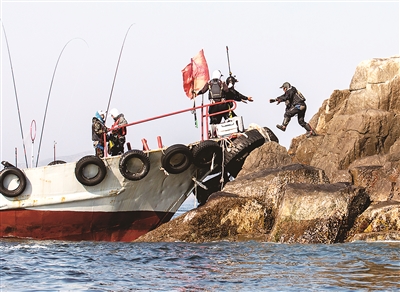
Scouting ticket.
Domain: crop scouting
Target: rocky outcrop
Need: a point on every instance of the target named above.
(318, 213)
(359, 128)
(342, 185)
(380, 221)
(239, 219)
(270, 155)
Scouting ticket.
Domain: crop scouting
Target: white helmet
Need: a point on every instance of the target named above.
(216, 74)
(114, 112)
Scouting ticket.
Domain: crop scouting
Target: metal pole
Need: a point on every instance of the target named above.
(33, 136)
(54, 150)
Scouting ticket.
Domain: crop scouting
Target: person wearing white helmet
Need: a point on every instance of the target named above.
(118, 133)
(98, 131)
(295, 105)
(217, 90)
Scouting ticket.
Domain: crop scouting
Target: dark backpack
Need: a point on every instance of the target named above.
(215, 90)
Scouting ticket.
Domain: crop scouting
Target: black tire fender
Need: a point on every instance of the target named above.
(22, 182)
(203, 153)
(129, 167)
(271, 135)
(176, 159)
(55, 162)
(86, 161)
(241, 148)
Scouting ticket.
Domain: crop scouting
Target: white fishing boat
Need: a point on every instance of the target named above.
(118, 198)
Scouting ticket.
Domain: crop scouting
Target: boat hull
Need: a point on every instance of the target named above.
(55, 205)
(76, 226)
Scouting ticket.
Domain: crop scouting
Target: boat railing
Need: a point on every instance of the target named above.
(204, 116)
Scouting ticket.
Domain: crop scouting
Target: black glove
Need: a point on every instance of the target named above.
(272, 100)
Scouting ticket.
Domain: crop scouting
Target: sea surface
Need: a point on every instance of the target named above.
(31, 265)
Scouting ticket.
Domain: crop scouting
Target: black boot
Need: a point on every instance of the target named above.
(310, 131)
(281, 127)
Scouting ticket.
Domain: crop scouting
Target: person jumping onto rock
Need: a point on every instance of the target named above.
(295, 105)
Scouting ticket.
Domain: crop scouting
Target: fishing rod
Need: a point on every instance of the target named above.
(16, 96)
(48, 96)
(115, 74)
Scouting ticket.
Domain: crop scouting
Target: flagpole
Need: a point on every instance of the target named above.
(202, 117)
(194, 98)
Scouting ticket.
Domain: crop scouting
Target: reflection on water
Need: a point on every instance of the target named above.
(217, 266)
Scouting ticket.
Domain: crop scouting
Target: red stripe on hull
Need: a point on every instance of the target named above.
(76, 226)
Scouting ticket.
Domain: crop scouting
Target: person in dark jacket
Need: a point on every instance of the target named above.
(235, 95)
(118, 133)
(295, 105)
(98, 131)
(217, 90)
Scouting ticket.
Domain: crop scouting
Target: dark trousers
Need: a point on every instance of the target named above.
(217, 108)
(291, 112)
(118, 147)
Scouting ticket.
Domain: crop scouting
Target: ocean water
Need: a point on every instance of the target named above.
(30, 265)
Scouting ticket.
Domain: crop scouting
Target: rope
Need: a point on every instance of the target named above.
(223, 162)
(165, 172)
(197, 183)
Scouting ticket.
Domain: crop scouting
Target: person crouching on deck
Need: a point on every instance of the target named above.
(117, 136)
(98, 131)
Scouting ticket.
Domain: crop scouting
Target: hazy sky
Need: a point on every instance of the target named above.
(314, 45)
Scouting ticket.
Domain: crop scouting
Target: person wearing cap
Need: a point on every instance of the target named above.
(217, 90)
(98, 131)
(118, 133)
(233, 94)
(295, 105)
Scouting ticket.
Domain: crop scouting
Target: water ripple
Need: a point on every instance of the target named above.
(217, 266)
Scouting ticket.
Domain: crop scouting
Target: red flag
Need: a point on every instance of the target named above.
(195, 74)
(188, 83)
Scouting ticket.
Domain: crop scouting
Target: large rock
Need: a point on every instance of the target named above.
(381, 182)
(375, 71)
(246, 209)
(225, 216)
(267, 184)
(318, 213)
(378, 222)
(269, 155)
